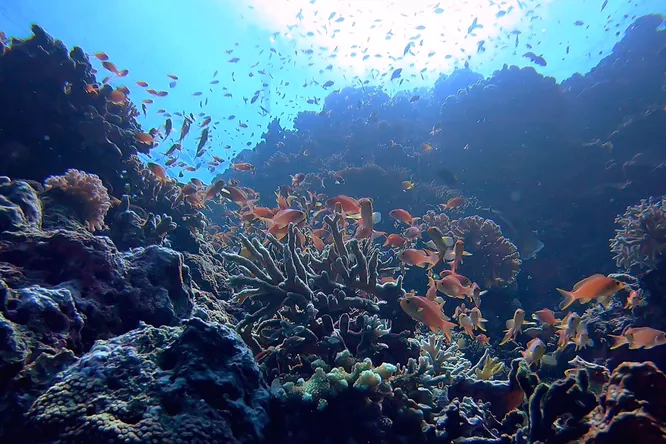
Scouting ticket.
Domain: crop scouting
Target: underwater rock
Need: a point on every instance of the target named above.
(20, 206)
(632, 409)
(193, 383)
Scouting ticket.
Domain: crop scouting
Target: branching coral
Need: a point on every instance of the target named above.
(495, 260)
(87, 191)
(640, 243)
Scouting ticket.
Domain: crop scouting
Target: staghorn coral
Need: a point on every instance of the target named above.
(87, 192)
(495, 260)
(640, 244)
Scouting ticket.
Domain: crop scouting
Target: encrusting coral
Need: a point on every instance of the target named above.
(85, 190)
(640, 243)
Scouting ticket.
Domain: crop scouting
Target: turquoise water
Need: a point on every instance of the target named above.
(288, 50)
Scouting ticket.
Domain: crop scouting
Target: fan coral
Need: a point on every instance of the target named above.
(640, 243)
(88, 191)
(495, 260)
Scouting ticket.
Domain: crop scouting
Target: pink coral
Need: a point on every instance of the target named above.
(86, 189)
(640, 243)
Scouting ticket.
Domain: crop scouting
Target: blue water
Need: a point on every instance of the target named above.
(155, 38)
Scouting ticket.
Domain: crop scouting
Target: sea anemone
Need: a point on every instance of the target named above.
(640, 243)
(88, 191)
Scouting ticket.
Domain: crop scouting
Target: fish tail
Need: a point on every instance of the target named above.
(569, 298)
(507, 337)
(619, 341)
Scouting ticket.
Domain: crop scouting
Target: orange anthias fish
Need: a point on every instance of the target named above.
(243, 166)
(597, 287)
(640, 337)
(395, 240)
(429, 312)
(285, 217)
(534, 351)
(458, 250)
(365, 224)
(454, 287)
(454, 202)
(158, 171)
(419, 258)
(349, 204)
(403, 216)
(514, 326)
(466, 324)
(545, 316)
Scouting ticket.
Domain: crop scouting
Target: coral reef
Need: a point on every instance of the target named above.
(640, 244)
(495, 261)
(196, 383)
(632, 407)
(87, 191)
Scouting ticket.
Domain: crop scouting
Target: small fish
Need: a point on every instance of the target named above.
(328, 84)
(172, 76)
(582, 338)
(203, 139)
(349, 204)
(537, 60)
(515, 325)
(419, 258)
(466, 324)
(579, 23)
(144, 138)
(233, 60)
(168, 126)
(454, 202)
(639, 337)
(545, 316)
(142, 84)
(117, 97)
(597, 287)
(534, 351)
(395, 240)
(396, 74)
(407, 185)
(634, 299)
(366, 223)
(427, 148)
(477, 318)
(101, 56)
(157, 170)
(442, 243)
(243, 166)
(412, 233)
(174, 147)
(403, 216)
(414, 99)
(429, 312)
(603, 5)
(297, 179)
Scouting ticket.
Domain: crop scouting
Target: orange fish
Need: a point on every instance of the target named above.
(144, 138)
(237, 195)
(429, 312)
(117, 97)
(545, 316)
(534, 351)
(364, 229)
(349, 204)
(111, 67)
(514, 326)
(317, 242)
(142, 84)
(477, 318)
(395, 240)
(634, 299)
(458, 250)
(288, 216)
(244, 166)
(596, 286)
(466, 324)
(419, 258)
(102, 56)
(157, 170)
(214, 190)
(640, 337)
(452, 286)
(454, 202)
(403, 216)
(483, 339)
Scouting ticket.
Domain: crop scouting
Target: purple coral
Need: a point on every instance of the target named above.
(640, 243)
(86, 189)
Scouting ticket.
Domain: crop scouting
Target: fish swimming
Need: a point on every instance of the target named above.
(639, 337)
(597, 286)
(429, 312)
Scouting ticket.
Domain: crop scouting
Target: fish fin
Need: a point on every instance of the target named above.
(509, 324)
(619, 341)
(584, 300)
(419, 310)
(529, 323)
(606, 302)
(467, 253)
(569, 298)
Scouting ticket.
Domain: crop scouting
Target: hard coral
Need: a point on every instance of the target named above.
(633, 408)
(192, 383)
(640, 243)
(87, 191)
(495, 260)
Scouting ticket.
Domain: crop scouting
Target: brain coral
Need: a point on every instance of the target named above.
(196, 383)
(88, 191)
(640, 242)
